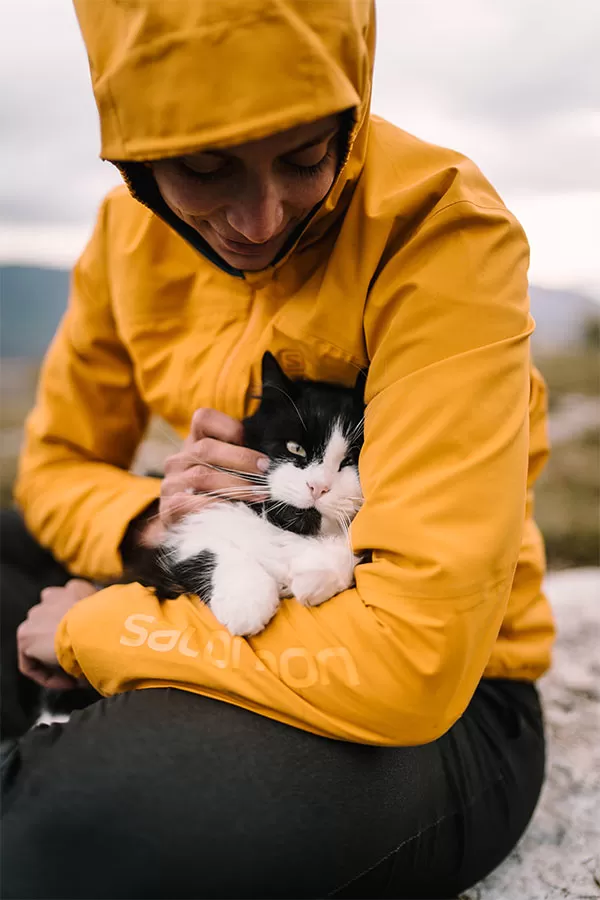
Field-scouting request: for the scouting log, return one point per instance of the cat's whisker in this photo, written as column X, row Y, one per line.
column 348, row 544
column 346, row 518
column 227, row 494
column 360, row 369
column 344, row 522
column 242, row 497
column 152, row 518
column 277, row 504
column 298, row 518
column 167, row 433
column 231, row 492
column 247, row 476
column 166, row 553
column 353, row 434
column 339, row 515
column 283, row 505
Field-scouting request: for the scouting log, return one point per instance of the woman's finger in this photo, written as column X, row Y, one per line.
column 76, row 589
column 54, row 679
column 191, row 480
column 80, row 588
column 58, row 681
column 205, row 479
column 208, row 466
column 218, row 455
column 212, row 423
column 210, row 451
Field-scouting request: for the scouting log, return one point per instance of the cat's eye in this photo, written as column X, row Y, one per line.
column 347, row 461
column 296, row 449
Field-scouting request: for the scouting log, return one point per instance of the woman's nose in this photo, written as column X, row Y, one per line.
column 258, row 215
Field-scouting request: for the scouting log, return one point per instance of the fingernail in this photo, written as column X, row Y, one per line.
column 263, row 464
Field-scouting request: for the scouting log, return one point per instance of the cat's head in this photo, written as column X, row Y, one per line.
column 312, row 432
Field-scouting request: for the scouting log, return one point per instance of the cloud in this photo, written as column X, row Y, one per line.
column 508, row 62
column 563, row 235
column 512, row 84
column 54, row 245
column 517, row 82
column 50, row 137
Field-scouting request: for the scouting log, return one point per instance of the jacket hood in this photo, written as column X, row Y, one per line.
column 173, row 77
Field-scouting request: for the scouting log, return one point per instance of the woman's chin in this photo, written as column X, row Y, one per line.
column 249, row 257
column 248, row 264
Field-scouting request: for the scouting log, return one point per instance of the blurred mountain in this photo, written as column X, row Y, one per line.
column 33, row 299
column 561, row 317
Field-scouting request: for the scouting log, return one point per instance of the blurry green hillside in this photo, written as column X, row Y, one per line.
column 568, row 492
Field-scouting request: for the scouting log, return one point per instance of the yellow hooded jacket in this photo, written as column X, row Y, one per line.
column 413, row 266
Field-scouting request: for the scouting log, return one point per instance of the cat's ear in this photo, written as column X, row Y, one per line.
column 273, row 375
column 359, row 387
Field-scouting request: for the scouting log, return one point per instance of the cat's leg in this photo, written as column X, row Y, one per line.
column 243, row 596
column 320, row 568
column 216, row 553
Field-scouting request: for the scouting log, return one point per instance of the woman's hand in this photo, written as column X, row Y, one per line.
column 192, row 479
column 35, row 636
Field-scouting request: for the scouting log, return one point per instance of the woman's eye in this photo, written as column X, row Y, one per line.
column 306, row 170
column 296, row 449
column 205, row 177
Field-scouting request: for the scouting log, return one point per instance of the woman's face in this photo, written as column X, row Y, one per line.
column 246, row 200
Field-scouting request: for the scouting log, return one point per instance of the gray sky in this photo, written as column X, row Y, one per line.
column 514, row 84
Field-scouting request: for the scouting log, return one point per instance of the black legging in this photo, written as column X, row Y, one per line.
column 162, row 793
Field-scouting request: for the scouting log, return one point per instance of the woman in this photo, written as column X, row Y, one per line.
column 390, row 741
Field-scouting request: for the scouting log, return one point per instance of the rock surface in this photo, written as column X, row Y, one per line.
column 559, row 856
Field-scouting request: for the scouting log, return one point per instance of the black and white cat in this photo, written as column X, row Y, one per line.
column 241, row 558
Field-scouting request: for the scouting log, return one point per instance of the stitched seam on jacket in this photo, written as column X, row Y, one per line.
column 413, row 837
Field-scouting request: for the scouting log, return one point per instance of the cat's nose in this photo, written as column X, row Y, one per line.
column 317, row 489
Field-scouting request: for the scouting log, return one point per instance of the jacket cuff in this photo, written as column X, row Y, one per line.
column 103, row 558
column 64, row 650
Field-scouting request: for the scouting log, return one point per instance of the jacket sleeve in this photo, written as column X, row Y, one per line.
column 73, row 486
column 396, row 660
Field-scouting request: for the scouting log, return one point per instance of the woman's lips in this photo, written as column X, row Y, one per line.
column 247, row 249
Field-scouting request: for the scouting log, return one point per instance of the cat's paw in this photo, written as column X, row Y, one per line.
column 244, row 598
column 321, row 573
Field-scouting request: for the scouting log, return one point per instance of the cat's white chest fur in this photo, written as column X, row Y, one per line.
column 256, row 563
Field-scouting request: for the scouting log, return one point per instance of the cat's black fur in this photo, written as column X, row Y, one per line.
column 301, row 411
